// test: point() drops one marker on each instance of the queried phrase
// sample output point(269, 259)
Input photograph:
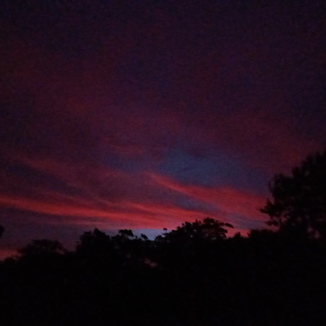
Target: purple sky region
point(146, 114)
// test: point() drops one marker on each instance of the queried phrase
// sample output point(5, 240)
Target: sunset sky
point(145, 114)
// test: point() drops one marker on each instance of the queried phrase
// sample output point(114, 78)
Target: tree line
point(193, 275)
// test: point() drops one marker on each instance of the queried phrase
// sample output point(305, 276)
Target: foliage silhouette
point(43, 247)
point(298, 205)
point(208, 229)
point(191, 276)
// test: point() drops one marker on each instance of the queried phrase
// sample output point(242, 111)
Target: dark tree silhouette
point(95, 245)
point(126, 233)
point(194, 273)
point(299, 200)
point(208, 229)
point(42, 247)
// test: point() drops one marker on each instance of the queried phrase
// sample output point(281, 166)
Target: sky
point(146, 114)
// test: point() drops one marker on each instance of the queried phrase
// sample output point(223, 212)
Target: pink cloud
point(112, 197)
point(226, 199)
point(125, 214)
point(107, 216)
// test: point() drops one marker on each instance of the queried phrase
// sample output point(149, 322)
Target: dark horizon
point(192, 276)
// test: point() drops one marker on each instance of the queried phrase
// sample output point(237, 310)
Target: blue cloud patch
point(217, 170)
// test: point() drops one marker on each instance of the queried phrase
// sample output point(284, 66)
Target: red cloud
point(124, 214)
point(226, 199)
point(111, 197)
point(107, 216)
